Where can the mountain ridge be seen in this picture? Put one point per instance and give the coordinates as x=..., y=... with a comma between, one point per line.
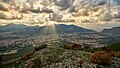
x=113, y=30
x=33, y=30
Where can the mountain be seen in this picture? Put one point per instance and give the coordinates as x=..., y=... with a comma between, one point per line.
x=114, y=30
x=61, y=28
x=12, y=27
x=35, y=30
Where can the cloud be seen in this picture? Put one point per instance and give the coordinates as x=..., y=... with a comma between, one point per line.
x=83, y=12
x=116, y=12
x=106, y=16
x=3, y=16
x=4, y=7
x=10, y=16
x=100, y=2
x=55, y=17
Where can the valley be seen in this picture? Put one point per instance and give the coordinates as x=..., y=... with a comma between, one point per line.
x=59, y=33
x=15, y=44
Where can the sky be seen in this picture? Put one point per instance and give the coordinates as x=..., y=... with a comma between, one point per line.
x=92, y=15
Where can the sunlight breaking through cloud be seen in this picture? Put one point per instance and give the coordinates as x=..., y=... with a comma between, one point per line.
x=50, y=28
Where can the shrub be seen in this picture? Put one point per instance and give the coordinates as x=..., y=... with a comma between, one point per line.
x=115, y=46
x=35, y=63
x=72, y=46
x=1, y=61
x=40, y=47
x=93, y=50
x=68, y=46
x=116, y=54
x=106, y=49
x=80, y=61
x=101, y=57
x=76, y=46
x=27, y=56
x=1, y=58
x=86, y=47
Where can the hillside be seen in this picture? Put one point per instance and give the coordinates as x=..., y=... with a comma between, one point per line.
x=114, y=30
x=34, y=30
x=55, y=56
x=12, y=27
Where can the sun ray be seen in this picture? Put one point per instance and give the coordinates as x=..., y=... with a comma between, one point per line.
x=50, y=28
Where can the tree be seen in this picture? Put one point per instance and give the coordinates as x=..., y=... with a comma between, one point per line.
x=1, y=61
x=101, y=57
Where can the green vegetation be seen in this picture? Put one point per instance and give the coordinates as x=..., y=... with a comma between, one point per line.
x=115, y=46
x=1, y=60
x=23, y=51
x=8, y=57
x=52, y=55
x=12, y=63
x=68, y=55
x=72, y=46
x=39, y=47
x=93, y=49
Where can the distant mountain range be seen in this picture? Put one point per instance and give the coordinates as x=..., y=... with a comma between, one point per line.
x=72, y=29
x=114, y=30
x=19, y=29
x=12, y=27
